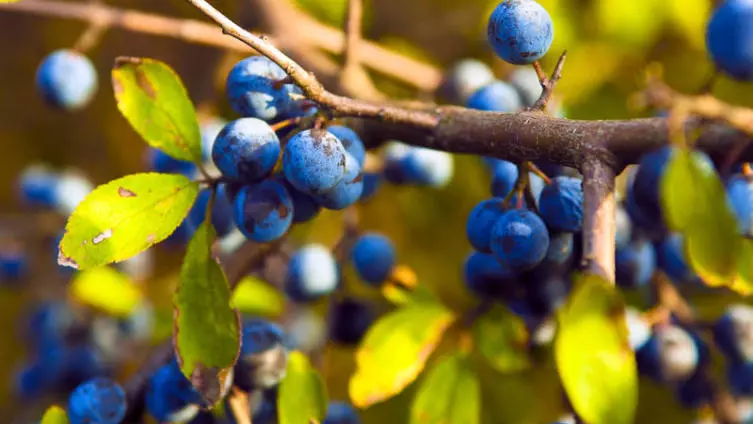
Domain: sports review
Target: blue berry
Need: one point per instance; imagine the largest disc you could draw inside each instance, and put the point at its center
(464, 78)
(312, 273)
(38, 186)
(561, 204)
(13, 264)
(210, 129)
(729, 36)
(246, 150)
(80, 363)
(263, 357)
(639, 330)
(373, 256)
(740, 197)
(428, 167)
(646, 221)
(526, 82)
(561, 250)
(170, 397)
(371, 183)
(519, 240)
(520, 31)
(264, 211)
(504, 175)
(349, 321)
(670, 355)
(305, 207)
(350, 140)
(160, 161)
(671, 259)
(40, 376)
(485, 277)
(99, 401)
(740, 378)
(264, 407)
(66, 79)
(647, 181)
(394, 164)
(623, 227)
(635, 264)
(222, 211)
(733, 333)
(695, 392)
(480, 222)
(497, 96)
(314, 161)
(341, 413)
(254, 88)
(348, 190)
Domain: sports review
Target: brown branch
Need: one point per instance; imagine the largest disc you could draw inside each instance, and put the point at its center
(598, 218)
(353, 21)
(312, 33)
(548, 84)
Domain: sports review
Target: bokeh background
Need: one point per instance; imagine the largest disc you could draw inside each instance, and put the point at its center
(609, 43)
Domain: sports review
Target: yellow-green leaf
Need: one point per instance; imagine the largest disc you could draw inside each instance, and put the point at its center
(395, 349)
(743, 282)
(106, 289)
(153, 99)
(302, 395)
(55, 415)
(594, 359)
(450, 393)
(124, 217)
(253, 296)
(502, 338)
(207, 329)
(694, 202)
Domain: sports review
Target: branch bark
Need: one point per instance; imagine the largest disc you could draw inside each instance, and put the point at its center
(598, 218)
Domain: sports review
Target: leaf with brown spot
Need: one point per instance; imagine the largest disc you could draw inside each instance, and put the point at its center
(109, 227)
(151, 96)
(124, 192)
(206, 328)
(395, 349)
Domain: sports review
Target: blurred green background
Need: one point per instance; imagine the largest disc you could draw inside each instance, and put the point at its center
(609, 43)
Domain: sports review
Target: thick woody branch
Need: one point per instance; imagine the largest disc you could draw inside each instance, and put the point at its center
(598, 218)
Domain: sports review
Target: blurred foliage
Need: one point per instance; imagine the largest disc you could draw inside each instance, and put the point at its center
(609, 43)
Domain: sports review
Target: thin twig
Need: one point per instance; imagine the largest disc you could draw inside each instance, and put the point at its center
(548, 84)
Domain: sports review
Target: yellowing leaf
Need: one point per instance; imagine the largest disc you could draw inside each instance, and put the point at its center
(106, 289)
(152, 98)
(450, 393)
(124, 217)
(594, 359)
(694, 202)
(635, 23)
(207, 329)
(502, 338)
(395, 349)
(55, 415)
(253, 296)
(689, 17)
(743, 282)
(302, 395)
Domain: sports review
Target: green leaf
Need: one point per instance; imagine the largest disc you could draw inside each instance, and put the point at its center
(207, 329)
(153, 99)
(55, 415)
(502, 338)
(124, 217)
(449, 394)
(694, 202)
(253, 296)
(302, 395)
(743, 282)
(594, 359)
(395, 349)
(106, 289)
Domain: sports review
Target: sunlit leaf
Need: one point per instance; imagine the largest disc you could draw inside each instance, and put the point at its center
(594, 359)
(207, 329)
(106, 289)
(743, 282)
(55, 415)
(450, 393)
(124, 217)
(395, 349)
(694, 202)
(153, 99)
(502, 338)
(253, 296)
(633, 24)
(302, 395)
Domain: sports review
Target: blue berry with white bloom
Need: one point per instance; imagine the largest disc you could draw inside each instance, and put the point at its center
(428, 167)
(348, 190)
(733, 333)
(464, 78)
(520, 31)
(350, 140)
(314, 161)
(373, 256)
(170, 397)
(100, 401)
(38, 186)
(264, 211)
(497, 96)
(519, 240)
(561, 204)
(67, 79)
(305, 207)
(312, 273)
(255, 88)
(635, 264)
(526, 82)
(246, 150)
(264, 355)
(210, 129)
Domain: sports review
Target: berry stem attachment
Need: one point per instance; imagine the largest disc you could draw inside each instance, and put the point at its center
(536, 170)
(285, 123)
